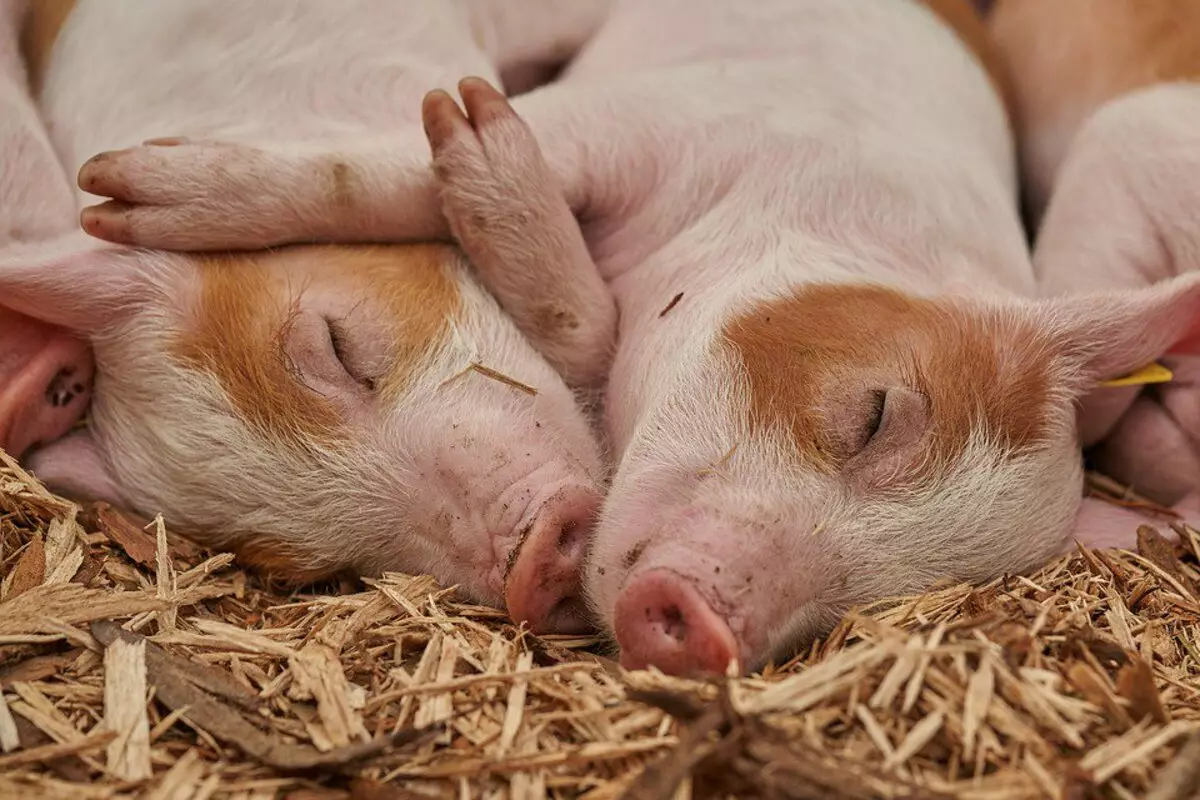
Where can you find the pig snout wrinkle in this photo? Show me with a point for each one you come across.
(542, 585)
(662, 620)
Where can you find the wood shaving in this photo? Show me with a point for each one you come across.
(134, 664)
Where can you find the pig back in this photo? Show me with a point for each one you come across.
(121, 71)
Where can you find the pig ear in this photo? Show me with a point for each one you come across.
(77, 282)
(74, 465)
(1109, 335)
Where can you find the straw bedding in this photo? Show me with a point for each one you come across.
(133, 664)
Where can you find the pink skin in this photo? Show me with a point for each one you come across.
(716, 542)
(45, 372)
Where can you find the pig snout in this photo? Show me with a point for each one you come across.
(662, 620)
(46, 379)
(542, 584)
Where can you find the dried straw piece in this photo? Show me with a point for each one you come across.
(10, 739)
(125, 709)
(1081, 679)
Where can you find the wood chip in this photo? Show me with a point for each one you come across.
(125, 709)
(30, 570)
(10, 739)
(1079, 679)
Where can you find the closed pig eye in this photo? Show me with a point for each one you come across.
(875, 418)
(894, 418)
(322, 356)
(338, 343)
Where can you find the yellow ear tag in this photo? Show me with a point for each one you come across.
(1151, 373)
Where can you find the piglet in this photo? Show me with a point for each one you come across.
(317, 409)
(45, 371)
(833, 382)
(1109, 117)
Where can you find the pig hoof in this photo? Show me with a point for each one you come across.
(662, 621)
(543, 585)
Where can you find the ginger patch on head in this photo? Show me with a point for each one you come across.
(241, 317)
(816, 350)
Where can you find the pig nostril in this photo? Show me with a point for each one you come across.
(571, 539)
(672, 621)
(61, 390)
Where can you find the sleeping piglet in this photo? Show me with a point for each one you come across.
(1109, 132)
(832, 380)
(320, 408)
(45, 371)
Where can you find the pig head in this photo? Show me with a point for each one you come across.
(1109, 118)
(318, 409)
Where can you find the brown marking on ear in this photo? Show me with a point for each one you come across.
(823, 343)
(245, 304)
(1066, 58)
(43, 21)
(963, 17)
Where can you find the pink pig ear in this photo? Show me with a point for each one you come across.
(1107, 335)
(74, 465)
(77, 282)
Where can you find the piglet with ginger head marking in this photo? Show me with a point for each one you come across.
(313, 410)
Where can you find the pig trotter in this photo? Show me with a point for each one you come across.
(511, 218)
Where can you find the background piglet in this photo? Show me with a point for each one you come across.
(314, 409)
(1110, 136)
(831, 383)
(45, 371)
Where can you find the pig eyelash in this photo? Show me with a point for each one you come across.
(337, 338)
(875, 421)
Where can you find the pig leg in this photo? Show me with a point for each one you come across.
(511, 219)
(45, 372)
(206, 195)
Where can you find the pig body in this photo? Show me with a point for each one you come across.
(831, 383)
(1110, 136)
(315, 409)
(45, 372)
